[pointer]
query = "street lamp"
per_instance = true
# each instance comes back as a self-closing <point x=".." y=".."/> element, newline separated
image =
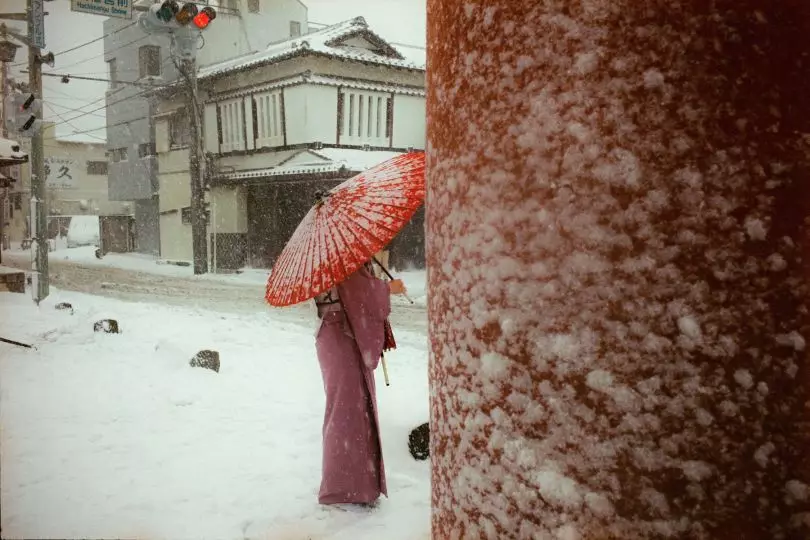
<point x="8" y="50"/>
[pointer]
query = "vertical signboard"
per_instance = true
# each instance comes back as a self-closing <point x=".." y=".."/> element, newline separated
<point x="36" y="24"/>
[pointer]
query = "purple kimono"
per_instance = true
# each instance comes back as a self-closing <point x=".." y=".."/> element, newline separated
<point x="349" y="344"/>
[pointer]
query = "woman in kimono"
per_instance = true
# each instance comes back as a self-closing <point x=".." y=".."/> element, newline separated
<point x="350" y="341"/>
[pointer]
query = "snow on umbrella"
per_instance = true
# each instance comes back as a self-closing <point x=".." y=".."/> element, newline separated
<point x="346" y="227"/>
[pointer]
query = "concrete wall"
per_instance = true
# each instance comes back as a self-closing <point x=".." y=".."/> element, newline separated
<point x="228" y="209"/>
<point x="409" y="122"/>
<point x="317" y="65"/>
<point x="175" y="238"/>
<point x="147" y="226"/>
<point x="311" y="113"/>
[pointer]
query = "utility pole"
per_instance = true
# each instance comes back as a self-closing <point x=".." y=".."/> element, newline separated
<point x="197" y="167"/>
<point x="3" y="195"/>
<point x="169" y="18"/>
<point x="39" y="207"/>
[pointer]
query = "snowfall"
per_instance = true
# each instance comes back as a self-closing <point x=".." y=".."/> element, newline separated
<point x="116" y="436"/>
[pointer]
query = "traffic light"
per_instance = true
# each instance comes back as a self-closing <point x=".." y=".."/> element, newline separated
<point x="21" y="117"/>
<point x="186" y="13"/>
<point x="166" y="11"/>
<point x="169" y="16"/>
<point x="204" y="17"/>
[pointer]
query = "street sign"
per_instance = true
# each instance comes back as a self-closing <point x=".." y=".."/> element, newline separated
<point x="36" y="25"/>
<point x="61" y="173"/>
<point x="121" y="9"/>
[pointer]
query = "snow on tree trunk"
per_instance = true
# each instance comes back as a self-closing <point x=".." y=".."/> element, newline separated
<point x="616" y="218"/>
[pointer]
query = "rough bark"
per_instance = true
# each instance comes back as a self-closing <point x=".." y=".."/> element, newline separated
<point x="617" y="246"/>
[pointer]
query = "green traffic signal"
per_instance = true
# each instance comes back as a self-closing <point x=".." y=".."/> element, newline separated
<point x="167" y="10"/>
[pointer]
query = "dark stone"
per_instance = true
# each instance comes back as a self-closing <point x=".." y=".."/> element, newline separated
<point x="206" y="359"/>
<point x="64" y="306"/>
<point x="108" y="326"/>
<point x="98" y="253"/>
<point x="419" y="442"/>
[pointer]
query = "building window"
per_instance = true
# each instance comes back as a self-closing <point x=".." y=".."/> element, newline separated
<point x="146" y="150"/>
<point x="179" y="135"/>
<point x="119" y="154"/>
<point x="364" y="118"/>
<point x="295" y="28"/>
<point x="269" y="128"/>
<point x="97" y="167"/>
<point x="253" y="6"/>
<point x="232" y="117"/>
<point x="149" y="61"/>
<point x="112" y="70"/>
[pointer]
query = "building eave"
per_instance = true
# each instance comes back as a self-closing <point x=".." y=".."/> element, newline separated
<point x="303" y="52"/>
<point x="307" y="77"/>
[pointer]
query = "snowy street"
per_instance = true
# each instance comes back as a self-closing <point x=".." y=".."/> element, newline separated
<point x="111" y="436"/>
<point x="133" y="278"/>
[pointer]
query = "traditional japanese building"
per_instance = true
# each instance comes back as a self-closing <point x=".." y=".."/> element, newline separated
<point x="280" y="124"/>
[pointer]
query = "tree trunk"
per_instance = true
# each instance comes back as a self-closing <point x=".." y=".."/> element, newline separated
<point x="617" y="206"/>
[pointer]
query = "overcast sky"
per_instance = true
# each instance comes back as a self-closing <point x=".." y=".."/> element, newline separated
<point x="72" y="106"/>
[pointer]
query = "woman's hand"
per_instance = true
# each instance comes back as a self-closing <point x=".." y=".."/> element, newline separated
<point x="397" y="287"/>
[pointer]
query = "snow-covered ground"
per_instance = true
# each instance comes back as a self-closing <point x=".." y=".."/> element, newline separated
<point x="111" y="436"/>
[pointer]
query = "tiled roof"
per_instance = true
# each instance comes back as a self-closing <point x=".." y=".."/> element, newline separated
<point x="326" y="41"/>
<point x="363" y="85"/>
<point x="285" y="170"/>
<point x="335" y="160"/>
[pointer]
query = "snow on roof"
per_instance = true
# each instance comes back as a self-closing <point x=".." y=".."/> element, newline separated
<point x="356" y="160"/>
<point x="11" y="152"/>
<point x="82" y="138"/>
<point x="325" y="160"/>
<point x="286" y="170"/>
<point x="327" y="41"/>
<point x="326" y="80"/>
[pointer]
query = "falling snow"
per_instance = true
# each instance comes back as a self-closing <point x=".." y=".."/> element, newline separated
<point x="604" y="219"/>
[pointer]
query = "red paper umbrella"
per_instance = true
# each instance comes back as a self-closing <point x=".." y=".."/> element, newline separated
<point x="347" y="226"/>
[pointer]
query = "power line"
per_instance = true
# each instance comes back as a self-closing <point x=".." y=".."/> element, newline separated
<point x="104" y="97"/>
<point x="133" y="23"/>
<point x="75" y="129"/>
<point x="138" y="94"/>
<point x="70" y="109"/>
<point x="104" y="53"/>
<point x="123" y="122"/>
<point x="99" y="79"/>
<point x="106" y="71"/>
<point x="410" y="46"/>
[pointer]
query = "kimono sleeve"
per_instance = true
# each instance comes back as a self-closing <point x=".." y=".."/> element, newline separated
<point x="367" y="303"/>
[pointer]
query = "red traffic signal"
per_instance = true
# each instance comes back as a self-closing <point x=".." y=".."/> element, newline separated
<point x="204" y="17"/>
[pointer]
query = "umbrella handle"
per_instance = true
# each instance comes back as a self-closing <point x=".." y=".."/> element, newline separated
<point x="385" y="370"/>
<point x="387" y="273"/>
